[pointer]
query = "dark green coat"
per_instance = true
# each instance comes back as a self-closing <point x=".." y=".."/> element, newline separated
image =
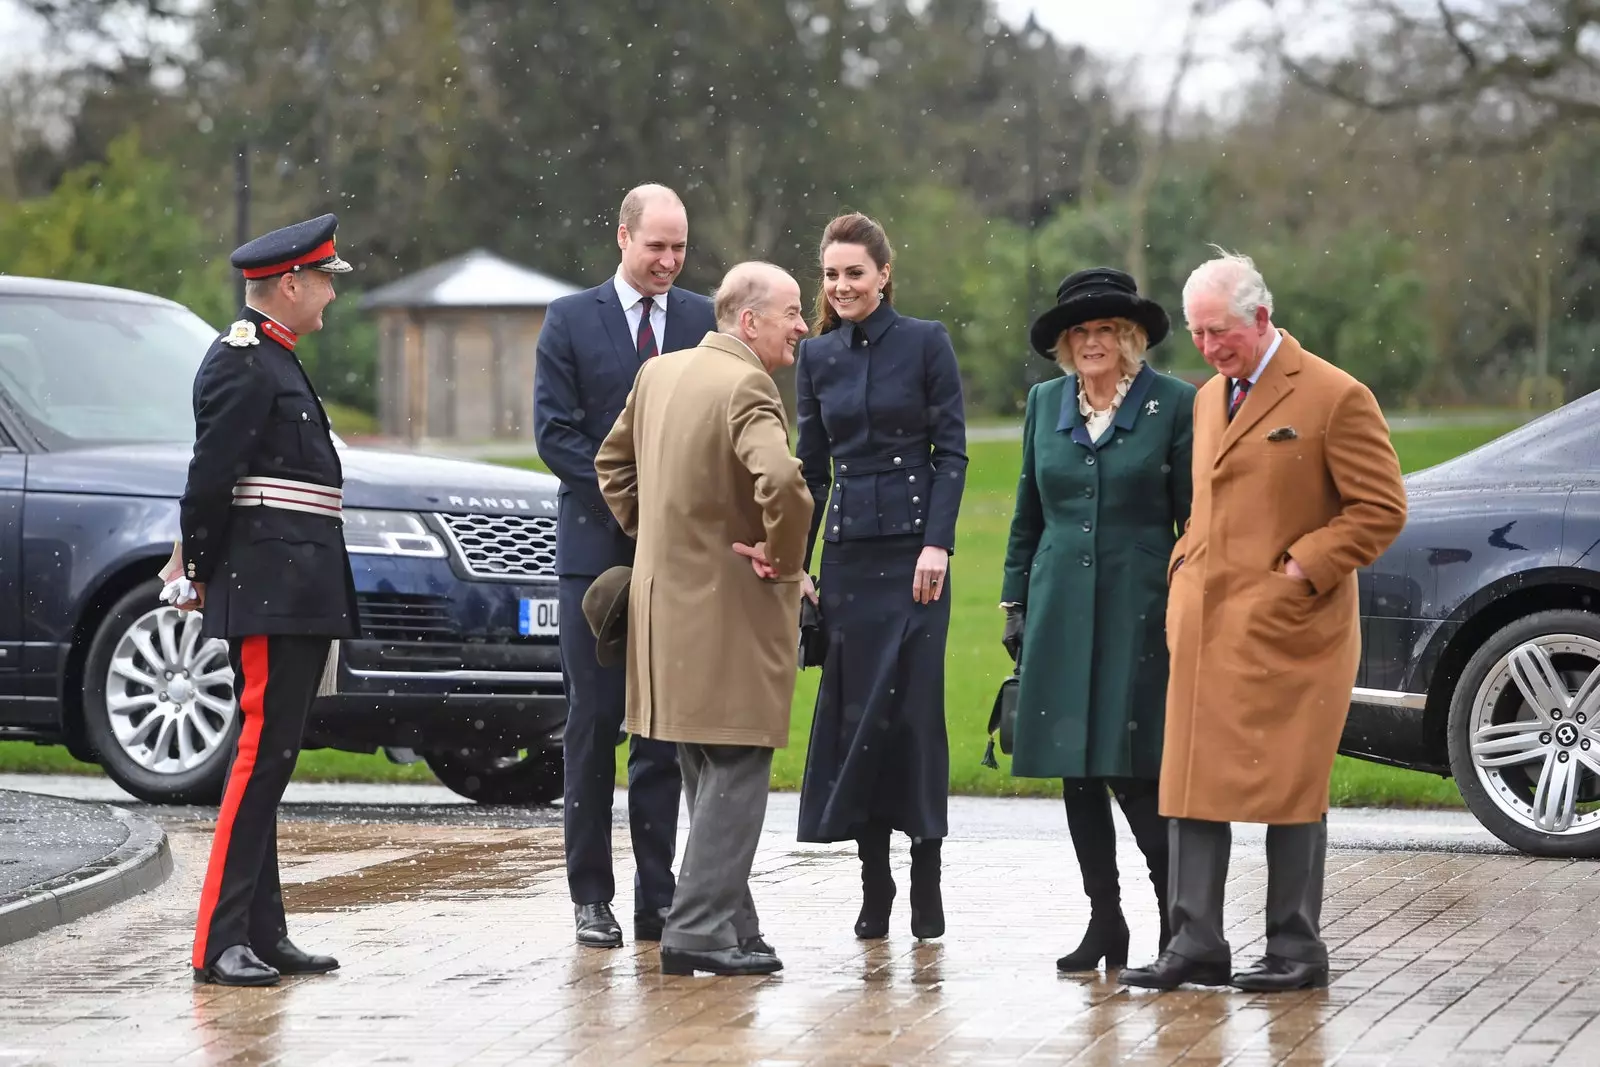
<point x="1094" y="525"/>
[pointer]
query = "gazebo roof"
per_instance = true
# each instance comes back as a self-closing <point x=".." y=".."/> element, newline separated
<point x="475" y="279"/>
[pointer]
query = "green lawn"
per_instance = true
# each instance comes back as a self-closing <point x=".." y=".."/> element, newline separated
<point x="976" y="663"/>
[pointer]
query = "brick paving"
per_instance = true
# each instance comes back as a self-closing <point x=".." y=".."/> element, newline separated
<point x="457" y="949"/>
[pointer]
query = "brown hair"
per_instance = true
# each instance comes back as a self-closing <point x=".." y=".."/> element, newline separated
<point x="852" y="229"/>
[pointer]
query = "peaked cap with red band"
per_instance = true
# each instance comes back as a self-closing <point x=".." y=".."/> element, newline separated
<point x="304" y="246"/>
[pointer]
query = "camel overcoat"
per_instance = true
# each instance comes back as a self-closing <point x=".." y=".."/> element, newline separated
<point x="698" y="460"/>
<point x="1263" y="663"/>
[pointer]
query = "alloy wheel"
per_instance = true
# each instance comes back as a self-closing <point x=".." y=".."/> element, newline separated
<point x="1535" y="734"/>
<point x="169" y="692"/>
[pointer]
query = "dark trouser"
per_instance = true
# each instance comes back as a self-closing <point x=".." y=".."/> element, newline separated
<point x="274" y="681"/>
<point x="1094" y="836"/>
<point x="596" y="706"/>
<point x="726" y="787"/>
<point x="1295" y="857"/>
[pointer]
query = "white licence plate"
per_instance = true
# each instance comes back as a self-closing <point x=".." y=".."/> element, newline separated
<point x="539" y="618"/>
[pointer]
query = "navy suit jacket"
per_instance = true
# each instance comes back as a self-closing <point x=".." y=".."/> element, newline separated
<point x="585" y="366"/>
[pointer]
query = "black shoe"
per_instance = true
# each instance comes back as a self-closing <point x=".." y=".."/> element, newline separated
<point x="597" y="927"/>
<point x="647" y="925"/>
<point x="729" y="961"/>
<point x="1171" y="970"/>
<point x="1276" y="974"/>
<point x="927" y="900"/>
<point x="1105" y="938"/>
<point x="288" y="958"/>
<point x="237" y="966"/>
<point x="877" y="884"/>
<point x="757" y="946"/>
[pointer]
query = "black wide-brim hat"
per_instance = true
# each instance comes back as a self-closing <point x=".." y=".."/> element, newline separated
<point x="605" y="606"/>
<point x="1097" y="293"/>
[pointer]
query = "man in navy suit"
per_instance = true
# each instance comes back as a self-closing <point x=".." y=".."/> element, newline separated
<point x="590" y="347"/>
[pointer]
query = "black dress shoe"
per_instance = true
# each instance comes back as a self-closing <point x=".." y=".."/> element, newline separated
<point x="647" y="925"/>
<point x="597" y="927"/>
<point x="237" y="966"/>
<point x="1276" y="974"/>
<point x="728" y="961"/>
<point x="1171" y="970"/>
<point x="288" y="958"/>
<point x="757" y="945"/>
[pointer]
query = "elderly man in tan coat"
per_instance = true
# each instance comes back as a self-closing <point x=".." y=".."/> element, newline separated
<point x="1295" y="487"/>
<point x="698" y="470"/>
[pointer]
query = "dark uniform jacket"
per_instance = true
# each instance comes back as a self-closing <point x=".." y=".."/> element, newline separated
<point x="582" y="374"/>
<point x="267" y="571"/>
<point x="883" y="427"/>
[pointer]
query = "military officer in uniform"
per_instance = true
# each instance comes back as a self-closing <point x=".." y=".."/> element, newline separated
<point x="263" y="554"/>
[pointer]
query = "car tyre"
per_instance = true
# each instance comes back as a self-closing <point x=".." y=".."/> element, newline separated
<point x="186" y="760"/>
<point x="1490" y="707"/>
<point x="534" y="777"/>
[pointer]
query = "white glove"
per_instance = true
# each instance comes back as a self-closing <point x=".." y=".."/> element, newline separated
<point x="177" y="591"/>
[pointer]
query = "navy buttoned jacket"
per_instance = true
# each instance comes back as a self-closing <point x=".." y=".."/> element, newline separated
<point x="882" y="430"/>
<point x="584" y="369"/>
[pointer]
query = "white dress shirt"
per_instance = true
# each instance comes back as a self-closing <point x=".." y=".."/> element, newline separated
<point x="631" y="308"/>
<point x="1233" y="389"/>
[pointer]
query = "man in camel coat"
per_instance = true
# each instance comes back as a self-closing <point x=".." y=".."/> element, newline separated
<point x="1296" y="486"/>
<point x="698" y="470"/>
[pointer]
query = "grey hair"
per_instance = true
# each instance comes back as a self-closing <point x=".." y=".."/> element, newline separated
<point x="746" y="287"/>
<point x="261" y="288"/>
<point x="1234" y="275"/>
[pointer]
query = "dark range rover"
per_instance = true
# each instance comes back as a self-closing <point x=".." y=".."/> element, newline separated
<point x="1481" y="632"/>
<point x="453" y="563"/>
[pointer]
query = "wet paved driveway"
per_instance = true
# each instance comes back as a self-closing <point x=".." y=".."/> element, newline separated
<point x="456" y="939"/>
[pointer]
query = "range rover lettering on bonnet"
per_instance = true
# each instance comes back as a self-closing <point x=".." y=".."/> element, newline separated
<point x="503" y="502"/>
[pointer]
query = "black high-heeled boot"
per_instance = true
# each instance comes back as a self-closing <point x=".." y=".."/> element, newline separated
<point x="1094" y="839"/>
<point x="927" y="899"/>
<point x="1140" y="804"/>
<point x="877" y="884"/>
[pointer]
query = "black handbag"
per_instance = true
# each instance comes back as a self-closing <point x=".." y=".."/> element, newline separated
<point x="813" y="640"/>
<point x="1003" y="717"/>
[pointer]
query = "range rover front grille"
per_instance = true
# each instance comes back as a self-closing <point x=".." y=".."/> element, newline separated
<point x="503" y="546"/>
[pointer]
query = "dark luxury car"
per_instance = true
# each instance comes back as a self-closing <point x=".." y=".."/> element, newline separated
<point x="1481" y="634"/>
<point x="454" y="569"/>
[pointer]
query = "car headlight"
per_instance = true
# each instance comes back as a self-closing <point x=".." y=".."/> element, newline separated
<point x="389" y="533"/>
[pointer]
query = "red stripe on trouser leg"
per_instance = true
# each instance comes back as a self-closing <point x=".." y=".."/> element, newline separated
<point x="252" y="705"/>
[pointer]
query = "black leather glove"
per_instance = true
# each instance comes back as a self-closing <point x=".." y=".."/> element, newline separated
<point x="1012" y="640"/>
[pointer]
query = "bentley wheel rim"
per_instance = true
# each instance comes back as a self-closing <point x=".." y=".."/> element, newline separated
<point x="1535" y="733"/>
<point x="169" y="692"/>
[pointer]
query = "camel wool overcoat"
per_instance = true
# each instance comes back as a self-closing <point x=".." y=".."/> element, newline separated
<point x="697" y="461"/>
<point x="1262" y="663"/>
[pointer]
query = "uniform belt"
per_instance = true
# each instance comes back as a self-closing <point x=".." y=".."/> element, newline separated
<point x="910" y="459"/>
<point x="288" y="495"/>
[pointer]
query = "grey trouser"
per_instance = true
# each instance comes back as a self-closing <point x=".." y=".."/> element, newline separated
<point x="725" y="787"/>
<point x="1198" y="875"/>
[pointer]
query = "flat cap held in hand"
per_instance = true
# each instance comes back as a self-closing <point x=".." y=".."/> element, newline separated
<point x="605" y="606"/>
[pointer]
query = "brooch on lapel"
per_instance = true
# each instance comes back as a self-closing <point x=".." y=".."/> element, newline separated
<point x="1282" y="433"/>
<point x="242" y="333"/>
<point x="1152" y="407"/>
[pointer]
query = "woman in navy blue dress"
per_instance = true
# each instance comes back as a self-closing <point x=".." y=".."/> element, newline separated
<point x="883" y="445"/>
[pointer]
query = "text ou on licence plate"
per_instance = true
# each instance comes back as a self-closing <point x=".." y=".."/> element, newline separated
<point x="538" y="618"/>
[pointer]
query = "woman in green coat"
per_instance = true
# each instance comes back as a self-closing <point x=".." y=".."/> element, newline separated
<point x="1103" y="494"/>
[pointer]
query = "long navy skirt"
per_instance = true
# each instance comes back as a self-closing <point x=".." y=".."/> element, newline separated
<point x="878" y="746"/>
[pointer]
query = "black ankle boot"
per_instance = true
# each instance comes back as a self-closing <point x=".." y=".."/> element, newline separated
<point x="877" y="884"/>
<point x="1106" y="938"/>
<point x="927" y="900"/>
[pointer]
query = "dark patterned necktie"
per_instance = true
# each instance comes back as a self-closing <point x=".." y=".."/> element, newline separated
<point x="647" y="336"/>
<point x="1242" y="386"/>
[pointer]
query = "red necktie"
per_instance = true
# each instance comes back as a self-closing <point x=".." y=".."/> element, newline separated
<point x="1243" y="386"/>
<point x="647" y="336"/>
